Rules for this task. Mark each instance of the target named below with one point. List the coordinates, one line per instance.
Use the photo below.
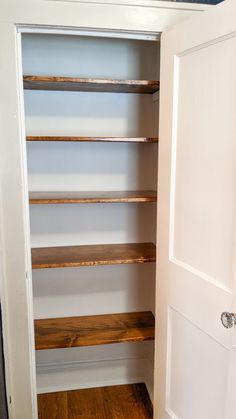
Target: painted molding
(157, 4)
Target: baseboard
(78, 375)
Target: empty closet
(91, 114)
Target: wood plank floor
(116, 402)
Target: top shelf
(89, 84)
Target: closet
(91, 116)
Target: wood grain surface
(92, 255)
(91, 197)
(52, 138)
(68, 332)
(116, 402)
(34, 82)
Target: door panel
(205, 161)
(196, 219)
(189, 349)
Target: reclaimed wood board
(34, 82)
(69, 197)
(68, 332)
(92, 255)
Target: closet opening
(91, 116)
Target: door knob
(228, 319)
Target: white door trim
(101, 33)
(156, 4)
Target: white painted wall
(61, 166)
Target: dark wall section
(200, 1)
(3, 400)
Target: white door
(195, 354)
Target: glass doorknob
(228, 319)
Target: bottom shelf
(124, 402)
(101, 329)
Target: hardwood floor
(116, 402)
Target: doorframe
(16, 282)
(8, 348)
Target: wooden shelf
(53, 138)
(92, 255)
(91, 197)
(127, 401)
(94, 330)
(33, 82)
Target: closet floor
(116, 402)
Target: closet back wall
(91, 167)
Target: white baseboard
(78, 375)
